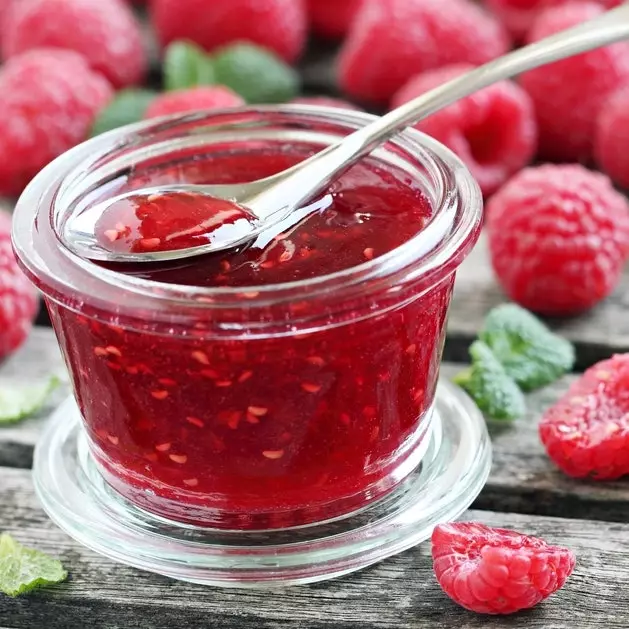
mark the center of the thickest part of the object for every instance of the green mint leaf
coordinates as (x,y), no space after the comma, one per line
(17,403)
(530,353)
(24,569)
(487,383)
(127,107)
(255,73)
(186,65)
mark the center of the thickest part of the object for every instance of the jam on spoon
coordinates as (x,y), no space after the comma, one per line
(169,221)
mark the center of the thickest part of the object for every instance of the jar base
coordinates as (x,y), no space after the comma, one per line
(75,496)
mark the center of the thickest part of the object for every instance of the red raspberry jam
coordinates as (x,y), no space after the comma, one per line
(285,382)
(170,221)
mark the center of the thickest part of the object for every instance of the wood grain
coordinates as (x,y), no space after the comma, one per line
(103,594)
(522,479)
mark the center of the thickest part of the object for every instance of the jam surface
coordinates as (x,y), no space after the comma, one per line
(277,430)
(367,212)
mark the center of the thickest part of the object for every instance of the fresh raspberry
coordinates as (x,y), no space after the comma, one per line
(193,99)
(586,433)
(568,95)
(558,238)
(325,101)
(493,131)
(50,98)
(18,299)
(390,42)
(5,7)
(279,25)
(105,32)
(518,15)
(496,571)
(331,18)
(612,137)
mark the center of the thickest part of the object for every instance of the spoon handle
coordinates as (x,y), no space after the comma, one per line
(315,174)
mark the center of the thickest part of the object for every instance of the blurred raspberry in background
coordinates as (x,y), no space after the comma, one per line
(279,25)
(332,18)
(105,32)
(569,94)
(518,15)
(390,42)
(50,99)
(493,131)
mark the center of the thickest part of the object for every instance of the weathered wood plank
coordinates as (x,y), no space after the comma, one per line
(597,334)
(38,358)
(522,478)
(398,593)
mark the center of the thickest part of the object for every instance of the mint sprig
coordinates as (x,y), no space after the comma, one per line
(489,385)
(529,352)
(187,65)
(127,107)
(253,72)
(257,74)
(17,403)
(24,569)
(515,352)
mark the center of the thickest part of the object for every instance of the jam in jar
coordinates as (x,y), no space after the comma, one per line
(289,380)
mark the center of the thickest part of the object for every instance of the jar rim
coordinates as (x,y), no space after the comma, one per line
(457,213)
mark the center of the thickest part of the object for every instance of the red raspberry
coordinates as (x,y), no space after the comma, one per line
(193,99)
(18,299)
(5,8)
(586,433)
(279,25)
(331,18)
(105,32)
(495,571)
(325,101)
(493,131)
(390,42)
(518,15)
(568,95)
(50,98)
(558,238)
(612,137)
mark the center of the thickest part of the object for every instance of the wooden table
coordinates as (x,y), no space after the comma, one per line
(524,492)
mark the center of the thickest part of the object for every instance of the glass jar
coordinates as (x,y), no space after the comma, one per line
(259,407)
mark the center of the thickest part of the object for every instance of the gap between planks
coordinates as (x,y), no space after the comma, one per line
(395,594)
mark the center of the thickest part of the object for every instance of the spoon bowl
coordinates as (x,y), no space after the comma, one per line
(268,204)
(88,238)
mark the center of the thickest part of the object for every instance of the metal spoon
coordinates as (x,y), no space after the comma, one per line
(271,200)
